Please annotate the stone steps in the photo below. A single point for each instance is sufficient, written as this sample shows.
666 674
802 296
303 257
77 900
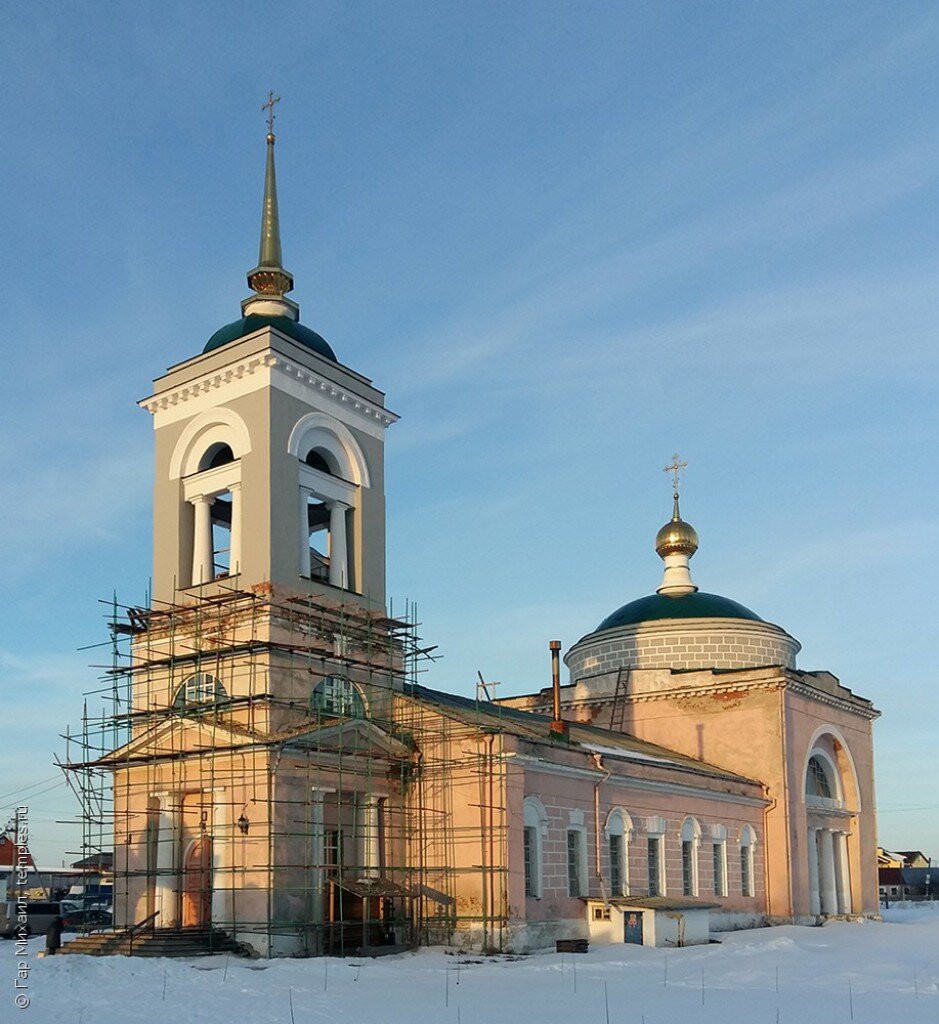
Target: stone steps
160 942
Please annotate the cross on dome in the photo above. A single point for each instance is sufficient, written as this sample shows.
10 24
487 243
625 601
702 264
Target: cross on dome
269 107
677 465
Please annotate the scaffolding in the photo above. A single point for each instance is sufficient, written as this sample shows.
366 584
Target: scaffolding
266 764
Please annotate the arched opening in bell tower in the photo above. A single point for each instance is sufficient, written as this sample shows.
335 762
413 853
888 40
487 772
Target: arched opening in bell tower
332 474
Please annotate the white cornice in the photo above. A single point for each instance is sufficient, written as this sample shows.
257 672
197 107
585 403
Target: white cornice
537 764
832 700
255 372
704 689
305 376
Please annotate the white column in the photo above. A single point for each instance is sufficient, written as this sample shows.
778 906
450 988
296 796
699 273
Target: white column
203 568
826 857
234 554
305 494
815 906
371 848
166 883
338 552
842 873
221 860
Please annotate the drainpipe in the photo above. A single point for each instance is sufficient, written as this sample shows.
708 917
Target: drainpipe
558 725
598 761
767 892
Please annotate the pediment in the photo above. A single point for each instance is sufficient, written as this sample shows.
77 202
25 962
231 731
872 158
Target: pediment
180 734
351 737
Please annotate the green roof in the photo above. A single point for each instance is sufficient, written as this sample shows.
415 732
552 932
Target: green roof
255 321
688 606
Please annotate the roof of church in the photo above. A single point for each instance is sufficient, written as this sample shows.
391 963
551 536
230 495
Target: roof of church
532 726
255 321
687 606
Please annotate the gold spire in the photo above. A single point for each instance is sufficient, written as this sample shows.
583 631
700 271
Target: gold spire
269 277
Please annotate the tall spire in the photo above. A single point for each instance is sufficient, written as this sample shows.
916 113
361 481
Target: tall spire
269 279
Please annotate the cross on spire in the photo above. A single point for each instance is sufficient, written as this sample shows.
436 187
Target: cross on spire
269 107
675 469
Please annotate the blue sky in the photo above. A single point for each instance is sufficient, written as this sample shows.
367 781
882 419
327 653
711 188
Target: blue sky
566 240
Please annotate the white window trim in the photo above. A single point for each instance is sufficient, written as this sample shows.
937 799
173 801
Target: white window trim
327 487
582 883
690 832
535 816
653 831
720 847
619 822
834 781
748 843
211 482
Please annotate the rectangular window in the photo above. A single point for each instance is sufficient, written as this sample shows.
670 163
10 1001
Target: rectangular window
720 881
574 864
687 867
655 865
530 854
746 882
616 865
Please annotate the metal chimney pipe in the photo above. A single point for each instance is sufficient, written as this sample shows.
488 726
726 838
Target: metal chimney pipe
558 724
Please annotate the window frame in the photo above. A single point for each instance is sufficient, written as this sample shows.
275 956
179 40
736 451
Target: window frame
534 826
690 837
619 825
656 841
747 860
350 689
184 699
719 863
577 865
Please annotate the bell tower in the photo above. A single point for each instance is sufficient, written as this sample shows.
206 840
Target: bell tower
269 452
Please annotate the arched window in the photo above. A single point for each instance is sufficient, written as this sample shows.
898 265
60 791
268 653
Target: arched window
819 779
337 697
618 831
218 454
719 854
318 459
199 690
535 822
747 842
690 837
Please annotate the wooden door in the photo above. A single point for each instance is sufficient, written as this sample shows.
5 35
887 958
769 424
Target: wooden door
197 885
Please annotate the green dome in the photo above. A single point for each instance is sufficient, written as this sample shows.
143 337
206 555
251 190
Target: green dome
255 321
688 606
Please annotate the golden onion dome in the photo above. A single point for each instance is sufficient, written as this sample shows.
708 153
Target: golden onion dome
676 536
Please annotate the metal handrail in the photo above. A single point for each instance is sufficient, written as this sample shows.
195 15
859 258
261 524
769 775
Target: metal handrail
147 924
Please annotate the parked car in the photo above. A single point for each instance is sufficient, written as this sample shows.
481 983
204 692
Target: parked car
39 915
92 919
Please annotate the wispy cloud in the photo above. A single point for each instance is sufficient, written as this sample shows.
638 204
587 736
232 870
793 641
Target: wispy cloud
548 318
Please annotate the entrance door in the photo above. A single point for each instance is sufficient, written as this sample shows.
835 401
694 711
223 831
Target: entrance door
632 922
197 885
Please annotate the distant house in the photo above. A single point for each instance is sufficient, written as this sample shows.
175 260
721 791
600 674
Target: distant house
914 859
906 875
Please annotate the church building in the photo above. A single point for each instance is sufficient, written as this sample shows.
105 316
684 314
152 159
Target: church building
273 771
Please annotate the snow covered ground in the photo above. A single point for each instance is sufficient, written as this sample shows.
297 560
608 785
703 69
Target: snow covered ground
881 973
